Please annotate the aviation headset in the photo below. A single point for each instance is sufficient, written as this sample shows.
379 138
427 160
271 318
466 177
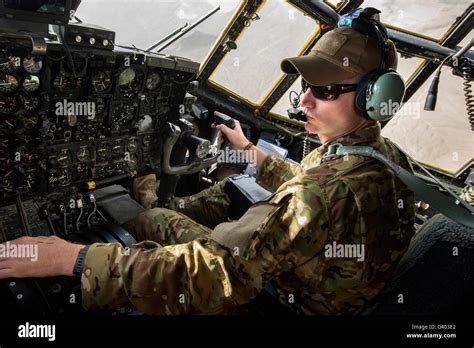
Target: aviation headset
380 92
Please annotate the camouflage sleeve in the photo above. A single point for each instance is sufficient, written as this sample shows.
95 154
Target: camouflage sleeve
204 277
175 279
275 171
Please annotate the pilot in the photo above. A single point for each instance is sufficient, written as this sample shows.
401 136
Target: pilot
325 242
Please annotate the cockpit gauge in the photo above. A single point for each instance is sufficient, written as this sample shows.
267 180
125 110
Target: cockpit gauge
30 121
117 147
64 176
102 151
146 140
99 106
83 154
8 83
101 80
31 177
82 171
129 81
64 158
9 64
25 138
122 115
30 103
8 105
6 182
61 82
7 126
31 83
132 145
153 81
32 65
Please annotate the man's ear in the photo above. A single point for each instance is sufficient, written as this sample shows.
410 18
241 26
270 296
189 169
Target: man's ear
392 55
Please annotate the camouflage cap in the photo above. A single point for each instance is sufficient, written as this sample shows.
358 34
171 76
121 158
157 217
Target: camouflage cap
340 54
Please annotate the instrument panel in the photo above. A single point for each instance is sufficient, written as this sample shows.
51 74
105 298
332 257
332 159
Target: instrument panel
77 115
77 123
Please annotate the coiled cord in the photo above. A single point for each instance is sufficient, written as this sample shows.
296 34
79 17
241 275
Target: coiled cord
468 95
306 147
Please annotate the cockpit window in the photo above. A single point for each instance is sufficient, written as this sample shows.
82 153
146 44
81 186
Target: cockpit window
431 19
416 130
251 71
144 22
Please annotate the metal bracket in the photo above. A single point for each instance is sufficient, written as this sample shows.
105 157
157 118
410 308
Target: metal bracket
39 46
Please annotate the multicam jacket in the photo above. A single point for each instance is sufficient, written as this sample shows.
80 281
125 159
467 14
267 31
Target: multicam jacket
303 239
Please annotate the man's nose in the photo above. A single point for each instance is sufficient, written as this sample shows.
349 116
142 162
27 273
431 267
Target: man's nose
307 100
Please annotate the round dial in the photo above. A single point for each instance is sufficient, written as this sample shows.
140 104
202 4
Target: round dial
153 81
27 139
30 103
129 82
8 126
122 115
29 156
149 101
64 176
8 83
99 105
132 145
117 147
61 82
30 121
101 80
6 183
146 140
31 83
64 158
82 170
8 105
31 177
102 151
83 154
32 65
9 64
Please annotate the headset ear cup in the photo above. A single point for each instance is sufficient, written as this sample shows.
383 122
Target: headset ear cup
361 94
385 97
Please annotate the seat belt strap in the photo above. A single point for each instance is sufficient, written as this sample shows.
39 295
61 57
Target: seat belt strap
463 214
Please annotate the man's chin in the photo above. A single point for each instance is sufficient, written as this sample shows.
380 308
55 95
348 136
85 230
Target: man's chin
311 129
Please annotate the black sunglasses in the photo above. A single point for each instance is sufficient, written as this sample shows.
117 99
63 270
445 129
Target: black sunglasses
328 92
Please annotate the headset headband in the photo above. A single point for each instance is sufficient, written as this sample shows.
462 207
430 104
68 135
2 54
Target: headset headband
367 21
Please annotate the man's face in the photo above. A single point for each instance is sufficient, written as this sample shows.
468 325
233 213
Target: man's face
329 117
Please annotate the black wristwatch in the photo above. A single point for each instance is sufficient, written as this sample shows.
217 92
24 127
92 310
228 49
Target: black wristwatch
79 265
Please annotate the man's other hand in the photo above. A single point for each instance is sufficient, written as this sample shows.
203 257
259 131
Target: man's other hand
37 257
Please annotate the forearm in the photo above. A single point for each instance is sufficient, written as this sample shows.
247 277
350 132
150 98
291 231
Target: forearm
261 157
178 279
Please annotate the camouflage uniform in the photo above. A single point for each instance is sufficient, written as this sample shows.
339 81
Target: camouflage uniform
212 269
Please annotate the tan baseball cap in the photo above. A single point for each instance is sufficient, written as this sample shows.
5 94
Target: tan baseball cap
340 54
